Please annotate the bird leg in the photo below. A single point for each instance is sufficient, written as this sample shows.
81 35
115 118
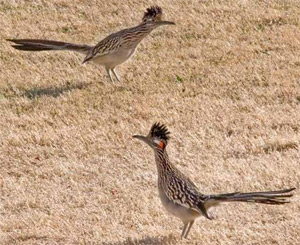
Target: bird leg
109 75
188 230
116 75
184 229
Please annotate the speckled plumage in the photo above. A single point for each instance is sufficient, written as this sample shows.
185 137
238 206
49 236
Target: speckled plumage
181 197
110 52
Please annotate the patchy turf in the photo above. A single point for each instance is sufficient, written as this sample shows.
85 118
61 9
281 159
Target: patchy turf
226 81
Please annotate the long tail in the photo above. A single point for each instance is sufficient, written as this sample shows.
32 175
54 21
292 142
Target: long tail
44 45
266 197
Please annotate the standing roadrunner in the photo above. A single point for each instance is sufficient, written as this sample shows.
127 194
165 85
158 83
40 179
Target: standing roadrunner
111 51
181 197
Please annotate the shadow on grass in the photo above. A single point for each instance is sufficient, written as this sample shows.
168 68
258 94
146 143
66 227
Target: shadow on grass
159 240
53 91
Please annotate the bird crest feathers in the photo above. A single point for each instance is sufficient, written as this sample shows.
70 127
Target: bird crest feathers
160 131
154 13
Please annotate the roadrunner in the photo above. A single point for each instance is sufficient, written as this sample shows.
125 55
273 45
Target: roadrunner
180 196
109 52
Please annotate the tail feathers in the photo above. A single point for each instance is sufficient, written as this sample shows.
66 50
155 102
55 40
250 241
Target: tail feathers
44 45
267 197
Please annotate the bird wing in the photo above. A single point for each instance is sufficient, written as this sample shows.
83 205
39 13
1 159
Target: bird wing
182 191
106 46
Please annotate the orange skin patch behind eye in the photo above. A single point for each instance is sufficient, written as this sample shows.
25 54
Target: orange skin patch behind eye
161 145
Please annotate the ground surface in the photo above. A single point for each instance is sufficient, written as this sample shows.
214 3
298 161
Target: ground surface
225 80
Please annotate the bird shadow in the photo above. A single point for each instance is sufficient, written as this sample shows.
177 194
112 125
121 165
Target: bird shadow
52 91
159 240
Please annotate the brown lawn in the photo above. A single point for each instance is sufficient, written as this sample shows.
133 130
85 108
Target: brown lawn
225 80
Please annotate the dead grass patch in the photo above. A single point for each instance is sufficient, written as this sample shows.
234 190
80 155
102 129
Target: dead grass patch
225 80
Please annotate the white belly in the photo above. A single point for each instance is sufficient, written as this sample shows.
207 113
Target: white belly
184 213
112 60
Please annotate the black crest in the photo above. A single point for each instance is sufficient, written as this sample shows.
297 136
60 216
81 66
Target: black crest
153 13
160 131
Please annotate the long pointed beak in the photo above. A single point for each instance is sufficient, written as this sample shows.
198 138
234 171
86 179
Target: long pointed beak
142 138
164 22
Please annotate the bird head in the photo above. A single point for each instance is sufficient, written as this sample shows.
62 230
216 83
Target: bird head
157 138
153 15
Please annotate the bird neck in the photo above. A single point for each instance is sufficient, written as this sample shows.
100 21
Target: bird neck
149 26
133 36
163 163
142 30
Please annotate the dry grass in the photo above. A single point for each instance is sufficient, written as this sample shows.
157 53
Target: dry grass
225 80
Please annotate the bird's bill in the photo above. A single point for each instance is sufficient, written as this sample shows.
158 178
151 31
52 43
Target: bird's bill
142 138
164 22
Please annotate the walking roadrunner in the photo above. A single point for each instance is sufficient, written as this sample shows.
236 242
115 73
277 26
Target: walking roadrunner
111 51
180 196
